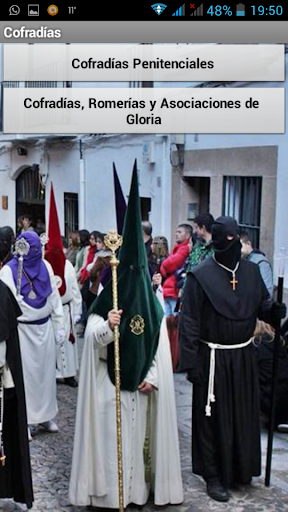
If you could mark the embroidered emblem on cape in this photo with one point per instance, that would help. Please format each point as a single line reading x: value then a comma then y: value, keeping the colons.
x: 137, y: 325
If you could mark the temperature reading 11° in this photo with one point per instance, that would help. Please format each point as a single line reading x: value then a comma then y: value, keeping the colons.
x: 71, y: 10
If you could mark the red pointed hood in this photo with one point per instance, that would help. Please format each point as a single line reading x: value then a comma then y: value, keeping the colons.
x: 54, y: 248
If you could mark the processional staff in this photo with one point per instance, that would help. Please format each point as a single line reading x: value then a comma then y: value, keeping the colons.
x: 21, y: 249
x: 277, y: 338
x: 113, y: 241
x: 44, y: 240
x: 160, y: 250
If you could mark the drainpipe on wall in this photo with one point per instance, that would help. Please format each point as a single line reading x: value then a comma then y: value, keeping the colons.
x: 43, y: 169
x: 166, y: 179
x: 82, y: 189
x: 44, y: 163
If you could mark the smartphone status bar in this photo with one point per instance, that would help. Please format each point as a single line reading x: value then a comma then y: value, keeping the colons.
x: 193, y: 11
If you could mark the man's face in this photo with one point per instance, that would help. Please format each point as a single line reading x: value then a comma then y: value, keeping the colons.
x: 246, y: 248
x: 200, y: 231
x: 181, y: 235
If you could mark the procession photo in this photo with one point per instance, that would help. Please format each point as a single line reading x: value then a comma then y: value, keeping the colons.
x: 143, y: 319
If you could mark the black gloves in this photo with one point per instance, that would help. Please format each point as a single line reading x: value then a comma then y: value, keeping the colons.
x: 278, y: 311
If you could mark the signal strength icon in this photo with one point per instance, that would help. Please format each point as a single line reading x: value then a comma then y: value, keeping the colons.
x: 159, y: 8
x: 180, y: 11
x: 198, y: 12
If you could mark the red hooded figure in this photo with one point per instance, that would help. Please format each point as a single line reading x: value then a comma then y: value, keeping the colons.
x: 54, y: 249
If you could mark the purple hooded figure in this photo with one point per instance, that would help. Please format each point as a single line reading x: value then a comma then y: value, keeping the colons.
x: 40, y: 327
x: 35, y: 283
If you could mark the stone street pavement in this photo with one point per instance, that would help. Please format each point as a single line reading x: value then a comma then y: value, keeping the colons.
x: 51, y: 462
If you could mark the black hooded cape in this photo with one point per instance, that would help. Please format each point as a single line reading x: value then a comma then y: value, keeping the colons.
x: 227, y: 443
x: 15, y: 476
x: 234, y: 304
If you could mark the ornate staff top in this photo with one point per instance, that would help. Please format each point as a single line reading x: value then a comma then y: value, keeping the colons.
x: 44, y: 239
x: 113, y: 241
x: 22, y: 247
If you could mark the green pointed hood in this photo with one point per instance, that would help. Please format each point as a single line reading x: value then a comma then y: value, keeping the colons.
x: 141, y: 309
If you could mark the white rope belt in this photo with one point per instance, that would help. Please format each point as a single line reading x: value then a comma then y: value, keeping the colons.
x: 213, y: 347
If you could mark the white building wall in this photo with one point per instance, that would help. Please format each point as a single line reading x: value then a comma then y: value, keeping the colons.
x: 11, y: 165
x: 7, y: 187
x: 60, y: 163
x: 63, y: 171
x: 154, y: 179
x: 206, y: 141
x: 62, y: 167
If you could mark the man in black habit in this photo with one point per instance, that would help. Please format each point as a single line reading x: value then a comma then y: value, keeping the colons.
x: 224, y: 295
x: 15, y: 470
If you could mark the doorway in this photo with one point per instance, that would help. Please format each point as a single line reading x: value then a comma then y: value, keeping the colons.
x: 30, y: 197
x: 197, y: 196
x: 145, y: 204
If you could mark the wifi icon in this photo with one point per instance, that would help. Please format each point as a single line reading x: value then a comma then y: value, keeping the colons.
x: 159, y: 8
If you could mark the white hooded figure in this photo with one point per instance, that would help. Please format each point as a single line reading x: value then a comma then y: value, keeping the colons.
x: 40, y: 328
x: 67, y: 354
x: 151, y: 458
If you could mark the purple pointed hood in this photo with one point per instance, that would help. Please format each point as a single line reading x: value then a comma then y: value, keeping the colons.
x: 36, y: 271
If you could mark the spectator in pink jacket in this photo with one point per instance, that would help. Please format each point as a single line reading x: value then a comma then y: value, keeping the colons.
x: 175, y: 262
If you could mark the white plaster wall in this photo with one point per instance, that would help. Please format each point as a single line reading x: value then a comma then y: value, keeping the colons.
x: 64, y: 173
x: 63, y: 161
x: 205, y: 141
x: 99, y: 208
x: 13, y: 162
x: 7, y: 188
x: 99, y: 158
x: 63, y: 170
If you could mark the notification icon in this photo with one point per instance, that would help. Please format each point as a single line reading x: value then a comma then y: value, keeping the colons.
x: 14, y: 10
x: 52, y: 10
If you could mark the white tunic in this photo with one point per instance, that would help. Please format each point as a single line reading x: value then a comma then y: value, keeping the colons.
x: 67, y: 365
x: 94, y: 465
x: 38, y: 351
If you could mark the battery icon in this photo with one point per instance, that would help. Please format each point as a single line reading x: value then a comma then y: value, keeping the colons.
x: 240, y: 10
